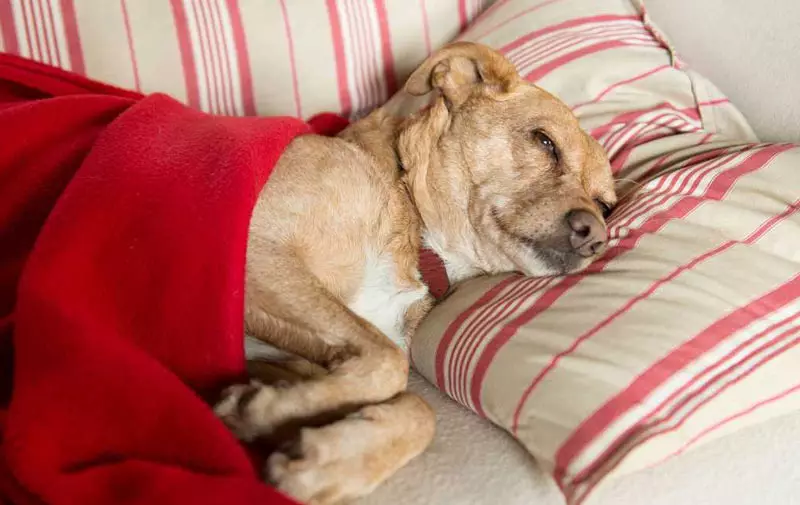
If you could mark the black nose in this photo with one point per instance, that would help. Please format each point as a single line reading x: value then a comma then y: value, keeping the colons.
x: 588, y: 237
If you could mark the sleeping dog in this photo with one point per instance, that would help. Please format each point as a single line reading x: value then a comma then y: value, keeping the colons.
x: 494, y: 176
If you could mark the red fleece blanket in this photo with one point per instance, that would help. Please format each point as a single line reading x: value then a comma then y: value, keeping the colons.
x: 123, y: 225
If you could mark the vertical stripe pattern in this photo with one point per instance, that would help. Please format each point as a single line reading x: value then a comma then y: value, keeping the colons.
x: 43, y: 30
x: 134, y: 45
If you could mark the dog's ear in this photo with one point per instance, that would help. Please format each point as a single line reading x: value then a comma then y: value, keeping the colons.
x: 456, y: 69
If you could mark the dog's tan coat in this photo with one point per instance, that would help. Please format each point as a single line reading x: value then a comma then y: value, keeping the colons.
x: 485, y: 176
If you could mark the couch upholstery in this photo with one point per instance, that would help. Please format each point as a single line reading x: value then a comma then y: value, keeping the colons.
x: 749, y: 49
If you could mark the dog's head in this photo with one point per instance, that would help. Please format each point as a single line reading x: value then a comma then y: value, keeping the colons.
x: 500, y: 170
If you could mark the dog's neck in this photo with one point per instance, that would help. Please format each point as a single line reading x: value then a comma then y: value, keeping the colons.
x: 452, y: 240
x: 378, y: 133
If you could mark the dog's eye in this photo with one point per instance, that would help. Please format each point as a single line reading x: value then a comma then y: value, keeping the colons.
x: 605, y: 208
x: 546, y: 142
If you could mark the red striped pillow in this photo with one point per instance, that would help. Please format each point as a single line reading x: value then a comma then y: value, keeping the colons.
x: 240, y: 57
x: 687, y: 328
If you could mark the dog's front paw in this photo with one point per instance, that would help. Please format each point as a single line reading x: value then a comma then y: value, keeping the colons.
x: 334, y: 463
x: 244, y: 409
x: 310, y: 472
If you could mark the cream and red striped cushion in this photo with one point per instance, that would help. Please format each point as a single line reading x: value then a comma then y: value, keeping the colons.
x: 240, y: 57
x: 687, y: 328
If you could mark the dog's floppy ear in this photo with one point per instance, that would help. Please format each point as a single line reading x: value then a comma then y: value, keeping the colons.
x: 457, y: 68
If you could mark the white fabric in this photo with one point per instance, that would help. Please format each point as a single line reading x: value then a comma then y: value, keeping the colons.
x: 749, y: 49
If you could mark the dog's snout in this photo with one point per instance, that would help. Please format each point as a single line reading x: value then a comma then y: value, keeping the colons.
x: 588, y: 235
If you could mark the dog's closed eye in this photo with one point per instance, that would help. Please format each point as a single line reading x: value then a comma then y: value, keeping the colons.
x: 546, y: 143
x: 605, y: 208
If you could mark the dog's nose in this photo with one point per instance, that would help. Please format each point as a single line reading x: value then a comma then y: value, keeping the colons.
x: 588, y: 236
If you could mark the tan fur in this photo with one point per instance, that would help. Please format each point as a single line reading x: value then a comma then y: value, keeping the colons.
x: 476, y: 184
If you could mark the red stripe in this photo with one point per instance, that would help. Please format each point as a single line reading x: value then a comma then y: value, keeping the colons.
x: 227, y: 47
x: 633, y: 209
x: 651, y: 134
x: 426, y: 29
x: 678, y: 184
x: 222, y: 65
x: 205, y: 53
x: 632, y: 116
x: 242, y: 58
x: 623, y: 445
x: 462, y: 15
x: 452, y: 329
x: 493, y: 310
x: 622, y: 83
x: 370, y: 64
x: 710, y: 103
x: 733, y: 417
x: 10, y: 44
x: 675, y: 184
x: 187, y: 57
x: 468, y: 344
x: 131, y: 50
x: 621, y: 134
x: 721, y: 185
x: 73, y: 36
x: 518, y: 15
x: 620, y: 159
x: 52, y: 21
x: 290, y: 42
x: 548, y: 67
x: 486, y: 318
x: 37, y: 17
x: 338, y: 51
x: 373, y: 65
x: 539, y: 51
x: 572, y: 492
x: 668, y: 366
x: 358, y: 52
x: 33, y: 50
x: 386, y: 47
x: 656, y: 167
x: 561, y: 26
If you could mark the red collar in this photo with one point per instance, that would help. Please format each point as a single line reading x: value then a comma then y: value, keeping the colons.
x: 433, y: 272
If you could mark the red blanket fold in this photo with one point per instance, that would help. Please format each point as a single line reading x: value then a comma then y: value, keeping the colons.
x: 123, y: 225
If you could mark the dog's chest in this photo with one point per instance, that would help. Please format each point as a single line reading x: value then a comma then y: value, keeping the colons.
x: 381, y: 300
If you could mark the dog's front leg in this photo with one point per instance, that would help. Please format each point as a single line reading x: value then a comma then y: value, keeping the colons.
x: 290, y: 309
x: 351, y: 457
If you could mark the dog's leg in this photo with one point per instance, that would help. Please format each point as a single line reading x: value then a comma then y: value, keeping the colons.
x: 363, y: 365
x: 351, y: 457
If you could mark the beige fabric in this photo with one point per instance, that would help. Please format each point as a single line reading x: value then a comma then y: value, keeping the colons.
x: 241, y: 57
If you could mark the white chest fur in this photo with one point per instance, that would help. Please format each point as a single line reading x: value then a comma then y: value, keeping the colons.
x: 382, y: 301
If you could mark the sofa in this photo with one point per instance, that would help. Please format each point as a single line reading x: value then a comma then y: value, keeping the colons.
x: 710, y: 94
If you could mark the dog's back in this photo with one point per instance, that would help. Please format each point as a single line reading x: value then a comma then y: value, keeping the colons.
x: 340, y: 207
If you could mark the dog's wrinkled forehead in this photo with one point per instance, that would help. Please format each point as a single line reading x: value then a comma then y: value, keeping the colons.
x: 520, y: 119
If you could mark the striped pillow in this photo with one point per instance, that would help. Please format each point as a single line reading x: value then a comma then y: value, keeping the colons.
x: 687, y: 328
x: 240, y: 57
